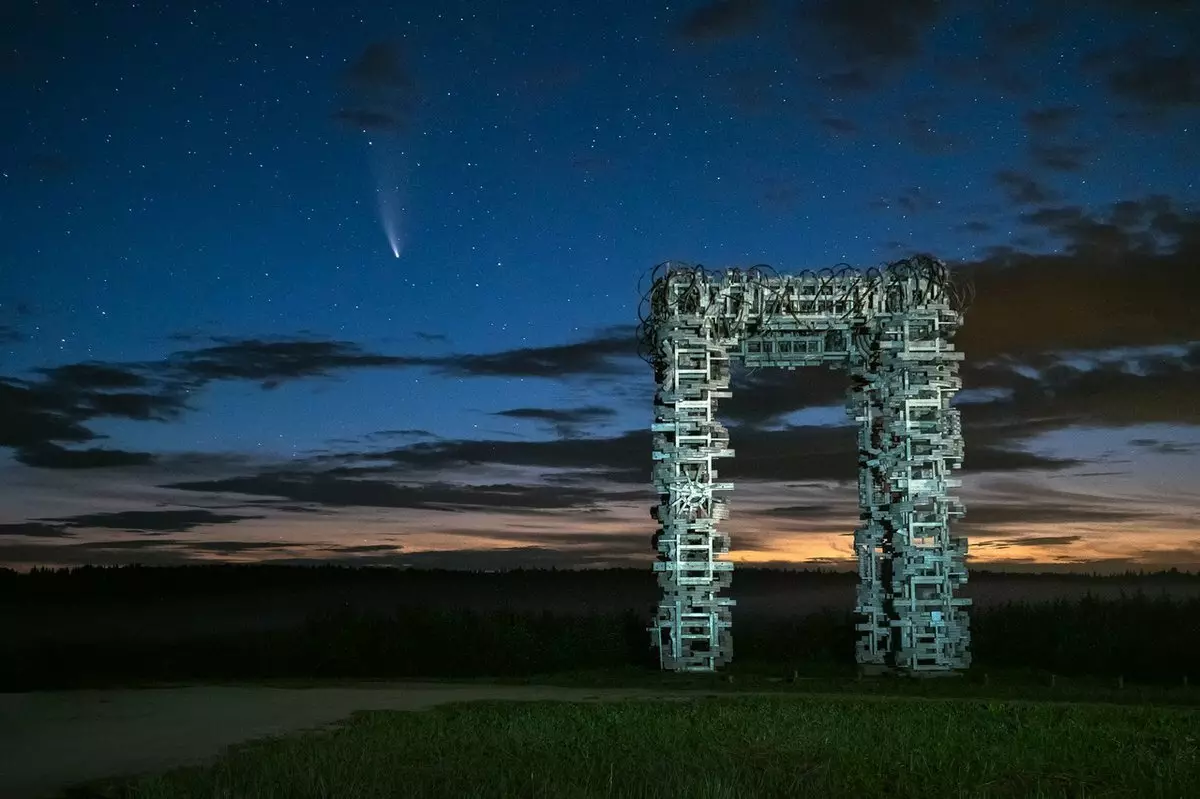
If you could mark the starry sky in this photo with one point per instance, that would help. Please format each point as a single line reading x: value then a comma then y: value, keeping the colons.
x: 359, y: 282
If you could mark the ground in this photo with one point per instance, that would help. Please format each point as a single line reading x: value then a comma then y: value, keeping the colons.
x: 50, y: 740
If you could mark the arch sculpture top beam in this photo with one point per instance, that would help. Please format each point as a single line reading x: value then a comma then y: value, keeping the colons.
x: 891, y: 329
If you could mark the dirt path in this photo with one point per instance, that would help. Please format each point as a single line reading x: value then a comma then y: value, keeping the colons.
x: 54, y: 739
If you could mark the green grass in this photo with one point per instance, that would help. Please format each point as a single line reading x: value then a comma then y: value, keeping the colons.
x: 713, y: 747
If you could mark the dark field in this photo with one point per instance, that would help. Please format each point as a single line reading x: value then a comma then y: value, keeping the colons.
x: 1081, y: 686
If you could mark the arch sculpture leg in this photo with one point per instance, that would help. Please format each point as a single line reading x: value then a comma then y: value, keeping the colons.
x: 691, y: 627
x: 910, y: 440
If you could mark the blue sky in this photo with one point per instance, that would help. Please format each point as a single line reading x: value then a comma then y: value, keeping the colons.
x: 208, y: 348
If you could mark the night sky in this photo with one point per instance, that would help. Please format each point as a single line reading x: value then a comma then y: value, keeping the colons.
x: 209, y: 349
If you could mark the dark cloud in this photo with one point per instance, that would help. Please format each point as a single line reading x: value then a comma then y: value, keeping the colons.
x: 1165, y: 447
x: 781, y: 196
x: 37, y: 417
x: 1158, y: 82
x: 720, y: 19
x: 51, y: 456
x: 1059, y: 157
x: 912, y: 200
x: 184, y: 548
x: 35, y: 529
x: 564, y: 421
x: 1031, y: 512
x: 1028, y: 541
x: 144, y: 551
x: 272, y: 362
x: 497, y: 558
x: 801, y: 511
x: 1121, y: 279
x: 839, y: 126
x: 438, y: 338
x: 144, y: 521
x: 1130, y: 230
x: 597, y: 356
x: 378, y: 91
x: 975, y: 226
x: 864, y: 40
x: 1022, y: 189
x: 331, y: 490
x: 405, y: 433
x: 1106, y: 395
x: 507, y: 558
x: 792, y: 453
x: 1050, y: 121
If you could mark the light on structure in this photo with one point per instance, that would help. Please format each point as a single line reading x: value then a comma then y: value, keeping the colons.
x: 891, y: 330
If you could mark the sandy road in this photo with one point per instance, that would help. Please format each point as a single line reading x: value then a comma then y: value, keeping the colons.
x: 50, y: 740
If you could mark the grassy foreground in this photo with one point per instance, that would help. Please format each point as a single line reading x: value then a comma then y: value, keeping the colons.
x: 713, y: 747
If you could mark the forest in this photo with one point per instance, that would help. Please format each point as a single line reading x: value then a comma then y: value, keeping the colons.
x: 101, y: 626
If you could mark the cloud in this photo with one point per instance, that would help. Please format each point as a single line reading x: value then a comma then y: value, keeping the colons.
x: 434, y: 338
x: 51, y: 456
x: 37, y: 417
x: 331, y: 490
x: 779, y: 195
x: 34, y: 529
x: 1157, y: 82
x: 1026, y: 541
x: 564, y: 421
x: 1050, y: 121
x: 1079, y: 510
x: 720, y: 19
x: 1124, y: 278
x: 596, y: 356
x: 801, y: 511
x: 1165, y: 447
x: 1022, y: 189
x: 143, y: 521
x: 975, y: 226
x: 912, y: 200
x: 811, y: 452
x: 272, y: 362
x: 863, y: 40
x: 378, y: 90
x: 839, y: 126
x: 1059, y: 157
x: 159, y: 551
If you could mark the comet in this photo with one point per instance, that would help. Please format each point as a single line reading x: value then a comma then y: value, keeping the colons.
x: 388, y: 163
x: 390, y: 217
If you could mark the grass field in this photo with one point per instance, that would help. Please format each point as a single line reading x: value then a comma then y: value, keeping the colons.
x: 831, y: 746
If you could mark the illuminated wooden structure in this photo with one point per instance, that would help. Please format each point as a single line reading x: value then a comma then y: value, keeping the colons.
x: 891, y: 329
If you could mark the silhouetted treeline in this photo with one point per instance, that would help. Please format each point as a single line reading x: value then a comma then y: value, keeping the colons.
x: 1139, y: 636
x: 104, y: 582
x: 181, y: 581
